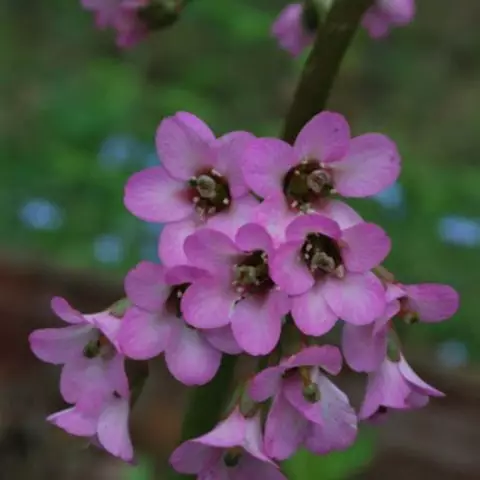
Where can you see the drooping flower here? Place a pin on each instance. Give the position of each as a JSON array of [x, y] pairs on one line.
[[293, 30], [308, 409], [233, 450], [87, 349], [327, 270], [156, 324], [395, 385], [385, 14], [324, 159], [240, 291]]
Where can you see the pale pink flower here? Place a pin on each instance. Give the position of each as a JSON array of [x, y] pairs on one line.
[[395, 385], [385, 14], [240, 291], [308, 409], [327, 270], [233, 450], [323, 159]]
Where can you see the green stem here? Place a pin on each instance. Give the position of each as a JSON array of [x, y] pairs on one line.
[[331, 42]]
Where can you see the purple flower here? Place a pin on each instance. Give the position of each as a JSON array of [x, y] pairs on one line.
[[106, 423], [322, 160], [395, 385], [92, 367], [308, 409], [156, 325], [291, 30], [326, 269], [385, 14], [231, 451], [239, 290]]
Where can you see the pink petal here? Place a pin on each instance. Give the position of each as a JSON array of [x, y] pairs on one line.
[[265, 164], [143, 334], [228, 433], [251, 467], [266, 383], [367, 245], [230, 151], [192, 122], [341, 213], [339, 428], [192, 457], [252, 236], [60, 345], [63, 310], [253, 439], [327, 357], [293, 391], [257, 322], [376, 23], [311, 313], [75, 422], [184, 274], [285, 429], [357, 298], [107, 324], [182, 150], [112, 430], [208, 304], [146, 287], [312, 223], [324, 138], [289, 272], [394, 292], [190, 358], [154, 196], [432, 302], [416, 381], [171, 241], [222, 339], [371, 164]]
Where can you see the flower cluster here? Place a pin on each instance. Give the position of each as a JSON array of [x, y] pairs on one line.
[[296, 24], [260, 257]]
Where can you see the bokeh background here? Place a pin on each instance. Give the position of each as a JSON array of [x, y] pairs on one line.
[[78, 116]]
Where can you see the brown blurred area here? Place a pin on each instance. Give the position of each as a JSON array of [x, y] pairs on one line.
[[438, 442]]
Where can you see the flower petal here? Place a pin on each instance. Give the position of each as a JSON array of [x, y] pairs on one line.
[[251, 467], [252, 236], [340, 212], [324, 138], [327, 357], [371, 164], [222, 339], [184, 274], [75, 422], [154, 196], [357, 298], [266, 383], [312, 223], [181, 149], [192, 458], [228, 433], [192, 122], [265, 164], [253, 441], [366, 246], [410, 376], [63, 310], [293, 391], [172, 239]]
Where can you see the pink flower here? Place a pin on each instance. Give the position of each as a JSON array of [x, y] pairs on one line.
[[231, 451], [107, 422], [92, 367], [157, 326], [327, 271], [239, 291], [291, 31], [385, 14], [322, 160], [395, 385], [308, 409]]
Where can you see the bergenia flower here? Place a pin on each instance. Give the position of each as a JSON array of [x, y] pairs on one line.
[[385, 14], [105, 423], [308, 409], [92, 367], [395, 385], [324, 159], [156, 324], [292, 30], [327, 270], [240, 290]]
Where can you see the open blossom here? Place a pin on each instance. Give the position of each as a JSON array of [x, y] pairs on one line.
[[233, 450], [308, 409], [156, 324], [385, 14], [239, 290], [324, 159], [327, 270], [395, 385]]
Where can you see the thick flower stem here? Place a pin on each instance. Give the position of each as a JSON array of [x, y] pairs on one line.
[[332, 40], [206, 406]]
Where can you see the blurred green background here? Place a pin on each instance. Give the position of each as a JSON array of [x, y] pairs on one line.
[[78, 116]]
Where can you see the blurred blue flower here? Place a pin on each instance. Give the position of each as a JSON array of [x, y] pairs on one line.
[[459, 231], [108, 248], [452, 354], [151, 159], [41, 214], [392, 198], [117, 150]]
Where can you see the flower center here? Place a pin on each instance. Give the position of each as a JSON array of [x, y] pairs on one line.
[[306, 183], [251, 274], [172, 304], [209, 192], [232, 456], [322, 255]]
